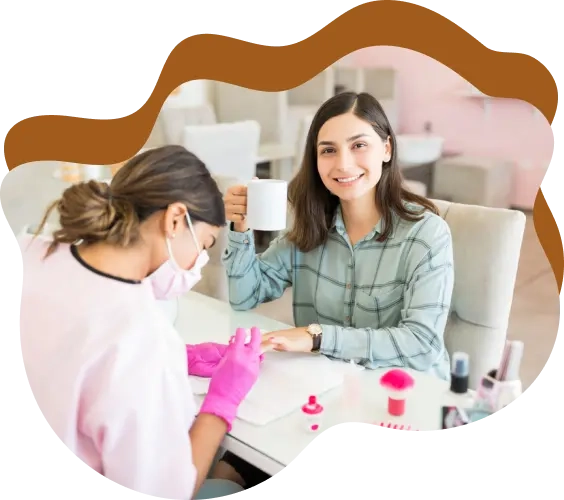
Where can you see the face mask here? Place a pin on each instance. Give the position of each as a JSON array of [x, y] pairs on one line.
[[170, 280]]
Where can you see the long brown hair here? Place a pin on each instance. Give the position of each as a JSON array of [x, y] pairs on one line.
[[149, 182], [314, 206]]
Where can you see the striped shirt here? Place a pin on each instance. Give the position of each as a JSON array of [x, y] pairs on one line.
[[382, 304]]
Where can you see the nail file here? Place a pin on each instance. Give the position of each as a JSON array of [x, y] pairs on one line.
[[399, 427], [500, 374], [514, 361]]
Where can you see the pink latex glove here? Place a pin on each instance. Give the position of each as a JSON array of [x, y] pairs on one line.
[[234, 376], [204, 358]]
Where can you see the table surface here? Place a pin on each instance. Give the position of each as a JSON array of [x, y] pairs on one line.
[[272, 447]]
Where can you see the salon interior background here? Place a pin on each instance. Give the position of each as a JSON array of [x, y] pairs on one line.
[[471, 149], [429, 92]]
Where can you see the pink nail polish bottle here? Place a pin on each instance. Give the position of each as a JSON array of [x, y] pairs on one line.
[[312, 412]]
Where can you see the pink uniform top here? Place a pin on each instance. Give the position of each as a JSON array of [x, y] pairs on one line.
[[108, 371]]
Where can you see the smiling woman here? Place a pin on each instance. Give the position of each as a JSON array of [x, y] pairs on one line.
[[370, 263]]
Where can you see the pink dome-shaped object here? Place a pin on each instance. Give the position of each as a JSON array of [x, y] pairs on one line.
[[397, 382]]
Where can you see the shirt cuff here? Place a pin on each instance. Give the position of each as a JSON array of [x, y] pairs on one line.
[[244, 240], [330, 340]]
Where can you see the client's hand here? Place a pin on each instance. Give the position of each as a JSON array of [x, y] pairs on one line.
[[204, 358], [293, 340]]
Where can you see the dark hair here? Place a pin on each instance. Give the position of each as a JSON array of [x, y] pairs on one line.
[[149, 182], [314, 206]]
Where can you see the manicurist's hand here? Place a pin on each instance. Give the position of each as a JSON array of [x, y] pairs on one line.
[[204, 358]]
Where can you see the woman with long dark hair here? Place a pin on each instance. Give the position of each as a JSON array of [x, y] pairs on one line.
[[369, 262]]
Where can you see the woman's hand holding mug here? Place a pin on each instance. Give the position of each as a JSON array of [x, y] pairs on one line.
[[235, 201]]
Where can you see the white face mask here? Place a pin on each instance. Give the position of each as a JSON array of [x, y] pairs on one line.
[[170, 280]]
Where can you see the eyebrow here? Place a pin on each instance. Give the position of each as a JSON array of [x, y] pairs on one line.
[[350, 139]]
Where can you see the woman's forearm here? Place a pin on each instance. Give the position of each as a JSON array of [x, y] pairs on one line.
[[206, 436], [402, 346], [254, 279]]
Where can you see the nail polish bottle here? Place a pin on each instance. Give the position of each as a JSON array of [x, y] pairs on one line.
[[312, 412], [457, 398]]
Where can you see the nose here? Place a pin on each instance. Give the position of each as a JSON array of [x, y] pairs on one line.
[[345, 160]]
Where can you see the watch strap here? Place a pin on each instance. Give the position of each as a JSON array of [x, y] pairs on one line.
[[315, 331], [316, 343]]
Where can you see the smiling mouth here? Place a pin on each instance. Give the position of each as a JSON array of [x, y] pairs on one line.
[[348, 180]]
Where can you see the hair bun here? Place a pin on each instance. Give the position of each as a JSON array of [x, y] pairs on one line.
[[89, 212]]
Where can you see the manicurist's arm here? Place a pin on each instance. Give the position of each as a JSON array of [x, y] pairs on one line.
[[206, 436], [144, 427]]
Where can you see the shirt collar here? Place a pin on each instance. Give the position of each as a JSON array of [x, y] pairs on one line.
[[338, 225]]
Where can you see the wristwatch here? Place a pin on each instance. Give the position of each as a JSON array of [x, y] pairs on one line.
[[315, 331]]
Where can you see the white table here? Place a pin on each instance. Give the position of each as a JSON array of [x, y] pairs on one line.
[[272, 447]]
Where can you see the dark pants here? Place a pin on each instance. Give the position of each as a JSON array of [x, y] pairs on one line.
[[250, 474]]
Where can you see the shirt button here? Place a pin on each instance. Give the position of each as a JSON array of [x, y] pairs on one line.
[[246, 242], [348, 318], [348, 285]]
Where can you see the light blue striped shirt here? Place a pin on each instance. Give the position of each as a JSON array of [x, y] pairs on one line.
[[383, 304]]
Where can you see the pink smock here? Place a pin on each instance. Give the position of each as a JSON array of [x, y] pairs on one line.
[[108, 371]]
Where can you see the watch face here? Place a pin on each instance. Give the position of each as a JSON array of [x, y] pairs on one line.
[[314, 329]]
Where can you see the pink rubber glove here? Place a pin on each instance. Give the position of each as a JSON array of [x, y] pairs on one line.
[[234, 376], [204, 358]]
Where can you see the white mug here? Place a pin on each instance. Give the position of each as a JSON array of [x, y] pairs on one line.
[[267, 202]]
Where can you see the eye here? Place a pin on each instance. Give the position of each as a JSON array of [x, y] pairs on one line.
[[359, 145], [327, 151]]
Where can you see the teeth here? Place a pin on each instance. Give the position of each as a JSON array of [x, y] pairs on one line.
[[348, 179]]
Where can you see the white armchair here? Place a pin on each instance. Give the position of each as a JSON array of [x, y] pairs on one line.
[[487, 244], [173, 119], [227, 149]]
